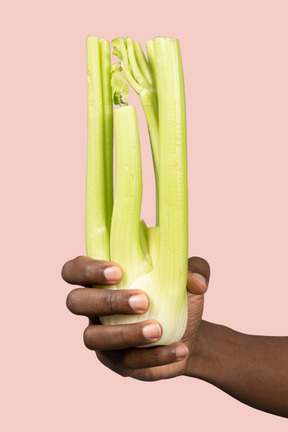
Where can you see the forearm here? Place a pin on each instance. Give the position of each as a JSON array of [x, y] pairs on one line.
[[253, 369]]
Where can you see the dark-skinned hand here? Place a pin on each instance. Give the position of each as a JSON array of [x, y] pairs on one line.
[[115, 345]]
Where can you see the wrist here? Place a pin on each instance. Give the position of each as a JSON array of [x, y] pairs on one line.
[[197, 353], [215, 351], [205, 357]]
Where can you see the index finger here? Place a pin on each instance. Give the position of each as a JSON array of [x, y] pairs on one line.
[[87, 272]]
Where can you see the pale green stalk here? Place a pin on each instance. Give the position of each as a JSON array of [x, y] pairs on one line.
[[143, 65], [120, 49], [171, 266], [150, 106], [99, 192], [108, 126], [125, 243], [128, 243], [140, 78], [151, 59], [155, 259], [135, 63]]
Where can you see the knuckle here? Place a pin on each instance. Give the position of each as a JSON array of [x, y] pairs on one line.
[[124, 334], [111, 302], [79, 258], [128, 360], [77, 262], [87, 338], [89, 272], [66, 271], [157, 356], [72, 300], [63, 271]]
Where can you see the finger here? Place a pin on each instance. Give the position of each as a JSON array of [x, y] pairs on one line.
[[86, 271], [95, 302], [111, 337], [139, 358], [198, 275]]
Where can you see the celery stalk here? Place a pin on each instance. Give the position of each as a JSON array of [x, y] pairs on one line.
[[171, 266], [125, 243], [151, 59], [140, 78], [99, 172], [153, 259], [108, 127]]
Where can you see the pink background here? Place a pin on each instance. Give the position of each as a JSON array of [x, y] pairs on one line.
[[235, 64]]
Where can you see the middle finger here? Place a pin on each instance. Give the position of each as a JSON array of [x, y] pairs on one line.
[[95, 302]]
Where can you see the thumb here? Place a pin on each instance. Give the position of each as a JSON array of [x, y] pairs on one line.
[[198, 275]]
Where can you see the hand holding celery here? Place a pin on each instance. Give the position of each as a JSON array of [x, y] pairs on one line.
[[153, 259], [253, 369], [115, 344], [250, 368]]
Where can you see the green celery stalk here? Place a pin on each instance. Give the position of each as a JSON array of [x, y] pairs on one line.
[[139, 75], [99, 171], [125, 242], [153, 259]]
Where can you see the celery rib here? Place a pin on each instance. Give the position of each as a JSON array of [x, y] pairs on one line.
[[107, 107], [139, 76], [99, 137], [173, 192], [151, 60], [125, 244]]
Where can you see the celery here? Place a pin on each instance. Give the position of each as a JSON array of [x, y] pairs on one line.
[[153, 259], [99, 172], [139, 75]]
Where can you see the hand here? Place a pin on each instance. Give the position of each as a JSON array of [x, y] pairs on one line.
[[115, 345]]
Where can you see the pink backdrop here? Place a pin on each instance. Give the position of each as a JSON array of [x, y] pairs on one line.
[[235, 64]]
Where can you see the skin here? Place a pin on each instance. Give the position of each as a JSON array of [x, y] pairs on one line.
[[253, 369]]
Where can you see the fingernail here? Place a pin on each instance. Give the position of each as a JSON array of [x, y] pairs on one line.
[[112, 273], [200, 278], [138, 302], [152, 331], [181, 352]]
